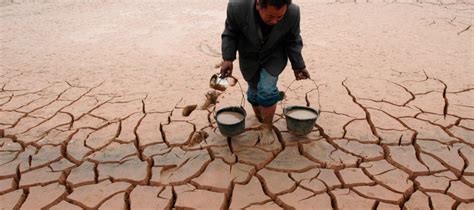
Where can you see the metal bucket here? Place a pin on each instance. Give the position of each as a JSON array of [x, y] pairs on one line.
[[297, 125], [236, 114], [234, 128]]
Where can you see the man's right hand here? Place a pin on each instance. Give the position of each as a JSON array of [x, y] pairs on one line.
[[226, 69]]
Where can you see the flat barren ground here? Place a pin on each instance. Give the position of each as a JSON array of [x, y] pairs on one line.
[[92, 94]]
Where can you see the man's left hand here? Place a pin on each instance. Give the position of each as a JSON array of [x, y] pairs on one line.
[[301, 74]]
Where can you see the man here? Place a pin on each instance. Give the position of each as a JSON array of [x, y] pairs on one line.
[[266, 33]]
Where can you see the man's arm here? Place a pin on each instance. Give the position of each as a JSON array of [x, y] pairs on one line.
[[294, 46], [229, 43]]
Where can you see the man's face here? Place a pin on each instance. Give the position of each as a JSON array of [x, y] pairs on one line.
[[271, 15]]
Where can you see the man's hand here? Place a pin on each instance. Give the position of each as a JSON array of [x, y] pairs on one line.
[[301, 74], [226, 69]]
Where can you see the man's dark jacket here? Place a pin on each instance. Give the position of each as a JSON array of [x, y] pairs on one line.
[[242, 33]]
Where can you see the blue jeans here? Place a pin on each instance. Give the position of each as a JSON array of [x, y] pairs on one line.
[[263, 89]]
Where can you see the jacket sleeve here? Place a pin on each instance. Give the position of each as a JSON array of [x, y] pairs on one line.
[[294, 44], [230, 36]]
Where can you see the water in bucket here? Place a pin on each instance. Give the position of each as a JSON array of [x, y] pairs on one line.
[[229, 117]]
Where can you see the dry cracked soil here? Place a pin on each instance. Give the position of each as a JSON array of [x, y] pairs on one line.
[[91, 96]]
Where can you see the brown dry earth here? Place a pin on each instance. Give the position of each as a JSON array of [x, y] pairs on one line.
[[91, 94]]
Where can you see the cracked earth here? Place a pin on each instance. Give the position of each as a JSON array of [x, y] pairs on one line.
[[92, 95]]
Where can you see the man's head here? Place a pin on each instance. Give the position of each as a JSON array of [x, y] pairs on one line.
[[272, 11]]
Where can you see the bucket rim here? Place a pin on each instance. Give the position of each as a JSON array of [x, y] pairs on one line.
[[238, 109], [288, 108]]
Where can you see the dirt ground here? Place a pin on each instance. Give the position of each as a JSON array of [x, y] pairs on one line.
[[91, 96]]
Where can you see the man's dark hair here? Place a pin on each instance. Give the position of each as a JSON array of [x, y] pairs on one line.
[[276, 3]]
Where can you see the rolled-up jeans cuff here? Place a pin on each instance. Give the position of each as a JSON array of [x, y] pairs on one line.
[[252, 98], [267, 91], [263, 90], [268, 101]]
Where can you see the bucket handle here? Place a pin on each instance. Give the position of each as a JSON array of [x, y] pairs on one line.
[[242, 99], [317, 89]]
